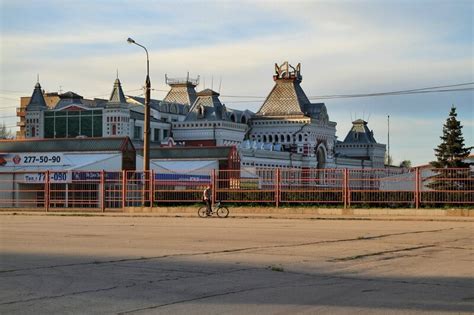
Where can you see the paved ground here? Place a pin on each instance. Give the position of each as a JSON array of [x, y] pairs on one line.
[[142, 265]]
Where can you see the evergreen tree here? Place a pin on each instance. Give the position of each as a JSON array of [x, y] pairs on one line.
[[450, 155], [451, 152]]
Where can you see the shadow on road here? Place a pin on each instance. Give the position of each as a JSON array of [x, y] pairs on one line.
[[198, 283]]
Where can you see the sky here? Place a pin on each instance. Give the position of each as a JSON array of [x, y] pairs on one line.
[[344, 47]]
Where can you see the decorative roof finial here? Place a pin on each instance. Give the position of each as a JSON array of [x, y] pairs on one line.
[[37, 78], [117, 73]]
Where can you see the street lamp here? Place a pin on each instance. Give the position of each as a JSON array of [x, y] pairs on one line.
[[146, 128]]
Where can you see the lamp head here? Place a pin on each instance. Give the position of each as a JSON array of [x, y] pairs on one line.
[[130, 41]]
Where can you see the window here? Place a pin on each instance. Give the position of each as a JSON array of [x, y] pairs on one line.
[[156, 132], [114, 130], [137, 132], [165, 133]]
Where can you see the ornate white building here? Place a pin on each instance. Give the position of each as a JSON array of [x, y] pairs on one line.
[[288, 131], [294, 131], [73, 116], [211, 123]]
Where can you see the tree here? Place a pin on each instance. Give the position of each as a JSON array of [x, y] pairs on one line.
[[5, 133], [405, 163], [451, 152], [452, 172]]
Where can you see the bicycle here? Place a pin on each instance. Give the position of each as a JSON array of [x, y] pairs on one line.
[[219, 209]]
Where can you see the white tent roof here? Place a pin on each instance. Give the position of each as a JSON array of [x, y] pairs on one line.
[[185, 167]]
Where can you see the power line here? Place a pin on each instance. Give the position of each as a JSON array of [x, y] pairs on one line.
[[394, 93]]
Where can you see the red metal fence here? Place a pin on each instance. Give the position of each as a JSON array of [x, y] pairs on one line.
[[112, 191]]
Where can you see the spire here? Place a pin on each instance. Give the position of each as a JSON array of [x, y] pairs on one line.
[[287, 98], [117, 95], [37, 99]]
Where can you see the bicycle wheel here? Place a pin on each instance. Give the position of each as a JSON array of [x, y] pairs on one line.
[[202, 212], [222, 212]]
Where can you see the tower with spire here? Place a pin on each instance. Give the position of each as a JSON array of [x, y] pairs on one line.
[[35, 113], [359, 148], [116, 114]]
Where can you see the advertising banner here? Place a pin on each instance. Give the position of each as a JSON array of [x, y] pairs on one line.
[[31, 159]]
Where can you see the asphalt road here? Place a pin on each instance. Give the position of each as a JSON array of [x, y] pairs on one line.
[[152, 265]]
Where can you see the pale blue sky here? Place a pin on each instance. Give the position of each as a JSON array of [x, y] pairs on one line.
[[344, 47]]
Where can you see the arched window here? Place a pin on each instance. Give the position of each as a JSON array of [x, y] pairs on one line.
[[114, 129], [282, 138], [33, 131], [232, 118], [300, 137], [264, 138], [288, 138], [173, 109], [270, 138], [243, 119]]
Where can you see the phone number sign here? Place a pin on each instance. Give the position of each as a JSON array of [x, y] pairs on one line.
[[54, 177], [31, 159]]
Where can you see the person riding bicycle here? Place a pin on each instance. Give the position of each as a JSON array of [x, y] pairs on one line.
[[206, 196]]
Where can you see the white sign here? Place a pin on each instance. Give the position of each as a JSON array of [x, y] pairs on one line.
[[31, 159], [54, 177], [38, 159]]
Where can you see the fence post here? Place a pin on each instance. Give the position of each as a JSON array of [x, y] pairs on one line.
[[417, 187], [344, 187], [213, 187], [348, 189], [102, 190], [46, 192], [152, 189], [124, 188], [277, 187]]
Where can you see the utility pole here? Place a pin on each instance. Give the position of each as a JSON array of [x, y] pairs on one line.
[[389, 162]]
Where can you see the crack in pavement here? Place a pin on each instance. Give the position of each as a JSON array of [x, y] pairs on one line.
[[380, 253], [129, 285], [363, 238], [292, 283], [383, 280], [197, 299], [59, 296]]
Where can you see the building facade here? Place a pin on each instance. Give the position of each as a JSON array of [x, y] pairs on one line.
[[288, 131], [69, 115], [295, 132]]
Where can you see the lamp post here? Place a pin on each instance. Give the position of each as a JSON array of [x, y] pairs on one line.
[[146, 127]]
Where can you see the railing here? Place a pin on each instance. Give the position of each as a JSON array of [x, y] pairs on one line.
[[113, 191]]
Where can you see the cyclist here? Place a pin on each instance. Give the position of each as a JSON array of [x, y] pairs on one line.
[[206, 196]]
